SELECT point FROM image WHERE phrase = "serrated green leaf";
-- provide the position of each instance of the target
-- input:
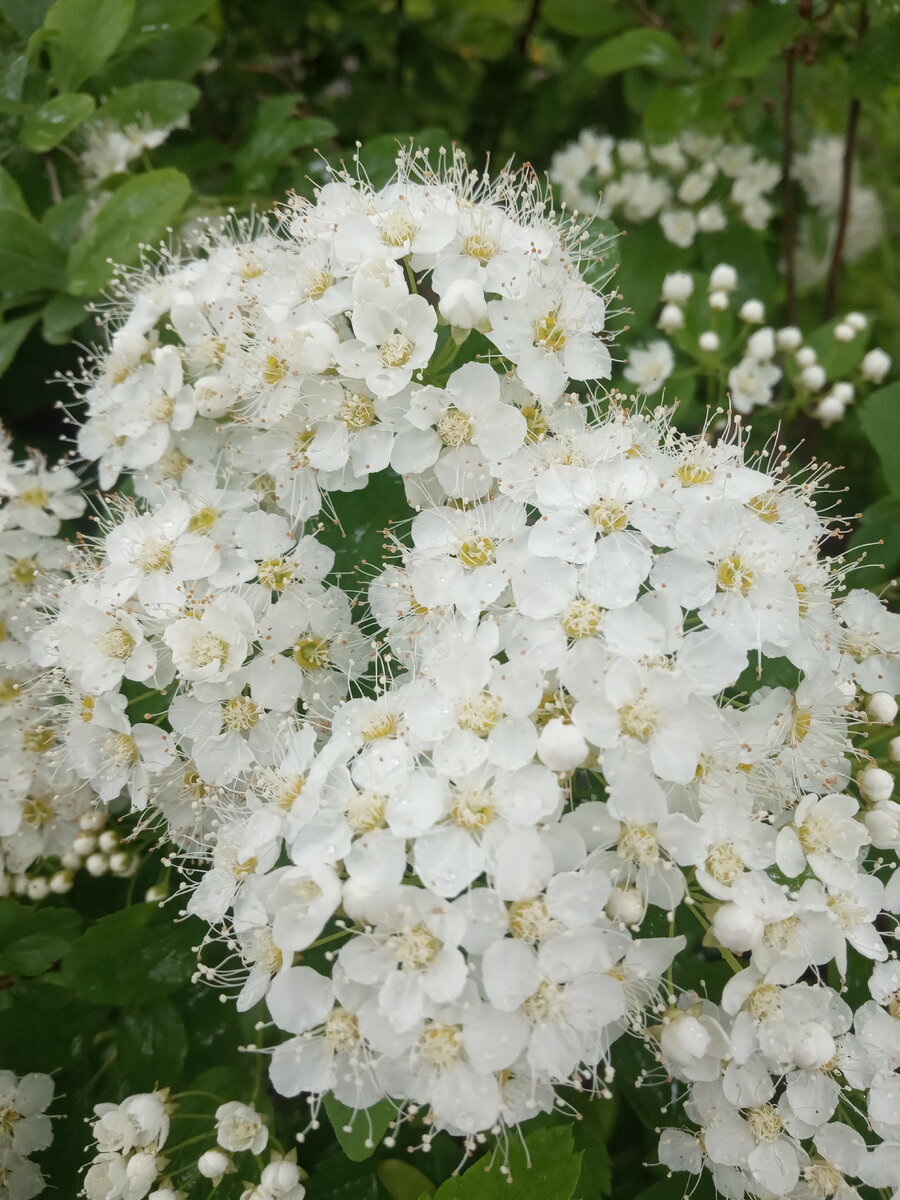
(12, 335)
(402, 1181)
(359, 1132)
(131, 957)
(158, 102)
(547, 1168)
(48, 125)
(151, 1042)
(755, 35)
(876, 64)
(82, 34)
(139, 211)
(880, 418)
(637, 48)
(30, 261)
(11, 194)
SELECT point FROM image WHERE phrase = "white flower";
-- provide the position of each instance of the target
(240, 1127)
(650, 366)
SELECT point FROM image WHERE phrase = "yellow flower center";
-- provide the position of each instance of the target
(396, 350)
(733, 576)
(311, 653)
(455, 428)
(478, 551)
(549, 334)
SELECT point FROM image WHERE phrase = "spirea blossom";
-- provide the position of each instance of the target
(604, 677)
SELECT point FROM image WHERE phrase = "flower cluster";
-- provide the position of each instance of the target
(756, 364)
(604, 681)
(41, 800)
(129, 1138)
(24, 1130)
(692, 185)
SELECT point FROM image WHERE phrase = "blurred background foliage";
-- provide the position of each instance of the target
(226, 104)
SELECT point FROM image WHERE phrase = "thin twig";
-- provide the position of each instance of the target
(850, 139)
(788, 199)
(53, 179)
(530, 21)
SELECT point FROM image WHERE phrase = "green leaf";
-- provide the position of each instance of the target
(30, 260)
(12, 335)
(81, 36)
(637, 48)
(359, 1132)
(159, 102)
(133, 956)
(402, 1181)
(547, 1168)
(880, 418)
(139, 211)
(335, 1177)
(33, 939)
(274, 137)
(151, 1042)
(590, 1135)
(876, 64)
(48, 125)
(176, 55)
(646, 257)
(378, 155)
(669, 111)
(155, 17)
(11, 194)
(26, 15)
(60, 317)
(755, 35)
(583, 18)
(880, 524)
(62, 220)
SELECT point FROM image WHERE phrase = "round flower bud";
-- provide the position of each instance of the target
(38, 888)
(671, 318)
(96, 864)
(163, 1194)
(157, 892)
(843, 391)
(857, 320)
(213, 1164)
(142, 1171)
(761, 344)
(560, 746)
(278, 1178)
(829, 410)
(108, 840)
(708, 341)
(814, 1047)
(894, 749)
(61, 882)
(883, 824)
(677, 287)
(813, 377)
(718, 301)
(806, 356)
(684, 1040)
(121, 863)
(723, 278)
(463, 304)
(92, 821)
(882, 707)
(736, 928)
(84, 844)
(875, 365)
(844, 332)
(875, 784)
(752, 311)
(626, 905)
(789, 338)
(70, 860)
(20, 885)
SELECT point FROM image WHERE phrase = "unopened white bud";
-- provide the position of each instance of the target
(789, 337)
(157, 892)
(723, 278)
(38, 888)
(677, 287)
(761, 344)
(882, 707)
(875, 365)
(806, 356)
(84, 844)
(718, 301)
(814, 1047)
(213, 1164)
(883, 825)
(93, 820)
(708, 342)
(844, 332)
(62, 882)
(626, 905)
(736, 928)
(844, 391)
(122, 863)
(829, 410)
(463, 304)
(857, 320)
(684, 1040)
(752, 311)
(894, 749)
(671, 318)
(96, 864)
(875, 784)
(813, 377)
(108, 840)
